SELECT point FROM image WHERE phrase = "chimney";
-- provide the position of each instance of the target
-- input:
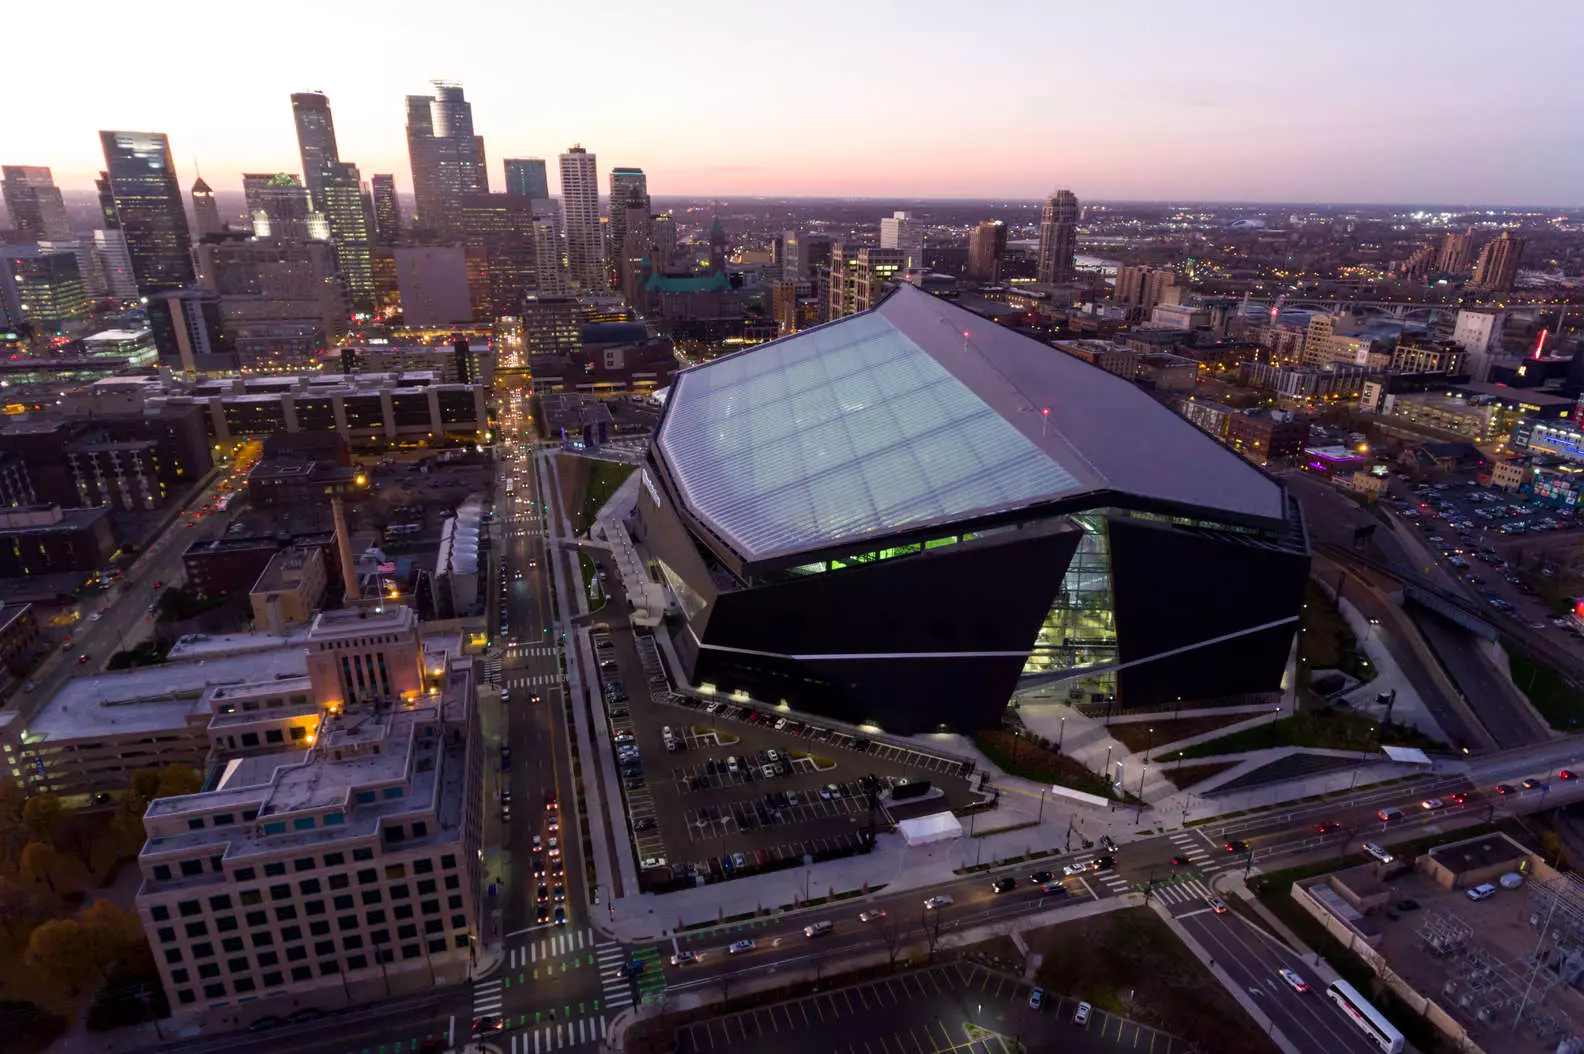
(344, 547)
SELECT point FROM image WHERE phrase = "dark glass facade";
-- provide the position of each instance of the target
(148, 206)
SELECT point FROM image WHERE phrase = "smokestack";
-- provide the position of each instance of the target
(344, 547)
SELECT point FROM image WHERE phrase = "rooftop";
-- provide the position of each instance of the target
(918, 412)
(1478, 853)
(154, 698)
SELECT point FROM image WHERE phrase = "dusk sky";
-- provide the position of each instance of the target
(1383, 101)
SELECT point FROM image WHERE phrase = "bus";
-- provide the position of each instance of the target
(1366, 1017)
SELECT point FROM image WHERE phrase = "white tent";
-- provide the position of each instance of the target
(927, 830)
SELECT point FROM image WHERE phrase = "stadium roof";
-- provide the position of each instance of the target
(919, 412)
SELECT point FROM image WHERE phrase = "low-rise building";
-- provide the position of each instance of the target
(290, 481)
(47, 539)
(1509, 473)
(1210, 416)
(1112, 356)
(19, 636)
(1267, 436)
(289, 590)
(1475, 418)
(376, 824)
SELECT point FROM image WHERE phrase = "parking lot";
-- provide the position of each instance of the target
(958, 1007)
(716, 788)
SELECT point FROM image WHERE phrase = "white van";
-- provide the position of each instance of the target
(1480, 892)
(818, 929)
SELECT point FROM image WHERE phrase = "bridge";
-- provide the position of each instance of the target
(1424, 592)
(1405, 308)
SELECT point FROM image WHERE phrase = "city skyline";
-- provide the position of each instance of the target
(1253, 106)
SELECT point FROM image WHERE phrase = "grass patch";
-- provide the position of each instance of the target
(603, 479)
(1184, 776)
(1326, 641)
(590, 572)
(1132, 964)
(1146, 735)
(1557, 699)
(1027, 757)
(1313, 726)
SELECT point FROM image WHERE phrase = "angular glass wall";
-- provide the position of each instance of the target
(1080, 628)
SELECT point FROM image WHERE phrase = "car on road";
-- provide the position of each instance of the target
(560, 915)
(872, 915)
(487, 1024)
(544, 894)
(1378, 853)
(1457, 797)
(1326, 826)
(1505, 788)
(83, 658)
(1003, 885)
(1566, 774)
(1388, 815)
(1236, 845)
(1036, 999)
(264, 1024)
(1217, 905)
(1081, 1014)
(684, 958)
(1041, 877)
(534, 698)
(555, 846)
(1074, 869)
(96, 616)
(1430, 804)
(940, 900)
(553, 822)
(538, 844)
(1296, 983)
(559, 893)
(738, 947)
(1531, 783)
(1053, 889)
(1179, 861)
(1104, 863)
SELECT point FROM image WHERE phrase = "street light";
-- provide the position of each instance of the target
(1061, 735)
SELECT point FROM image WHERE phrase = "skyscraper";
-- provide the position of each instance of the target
(387, 210)
(499, 228)
(148, 205)
(483, 163)
(628, 189)
(1457, 252)
(1497, 266)
(900, 231)
(445, 156)
(549, 267)
(526, 177)
(585, 249)
(342, 187)
(1058, 239)
(315, 140)
(205, 210)
(34, 202)
(986, 246)
(280, 208)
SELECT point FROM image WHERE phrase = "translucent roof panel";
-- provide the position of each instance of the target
(845, 431)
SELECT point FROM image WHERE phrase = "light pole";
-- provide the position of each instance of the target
(1105, 770)
(1061, 734)
(1138, 815)
(1043, 791)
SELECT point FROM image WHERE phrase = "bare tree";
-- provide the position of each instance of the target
(891, 934)
(932, 928)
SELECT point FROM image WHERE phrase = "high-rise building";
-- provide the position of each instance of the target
(387, 210)
(40, 288)
(986, 246)
(483, 164)
(280, 208)
(205, 211)
(550, 276)
(342, 188)
(445, 156)
(149, 212)
(585, 248)
(34, 203)
(1058, 239)
(860, 277)
(281, 304)
(901, 231)
(188, 334)
(115, 263)
(499, 229)
(1457, 252)
(628, 189)
(316, 141)
(1497, 266)
(1142, 287)
(526, 177)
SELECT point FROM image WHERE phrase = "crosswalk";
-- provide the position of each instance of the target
(486, 998)
(534, 681)
(1191, 845)
(551, 947)
(1182, 892)
(614, 984)
(562, 1035)
(526, 650)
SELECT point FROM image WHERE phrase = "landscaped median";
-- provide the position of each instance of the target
(1031, 758)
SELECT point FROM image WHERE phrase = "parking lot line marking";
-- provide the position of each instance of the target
(802, 1004)
(848, 996)
(817, 1010)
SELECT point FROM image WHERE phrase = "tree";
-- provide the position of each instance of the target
(11, 799)
(41, 814)
(38, 863)
(177, 780)
(59, 949)
(145, 784)
(932, 928)
(111, 932)
(891, 934)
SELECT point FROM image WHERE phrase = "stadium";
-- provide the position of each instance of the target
(908, 516)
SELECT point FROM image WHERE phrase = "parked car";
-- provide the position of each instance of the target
(1036, 1000)
(1481, 891)
(1081, 1014)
